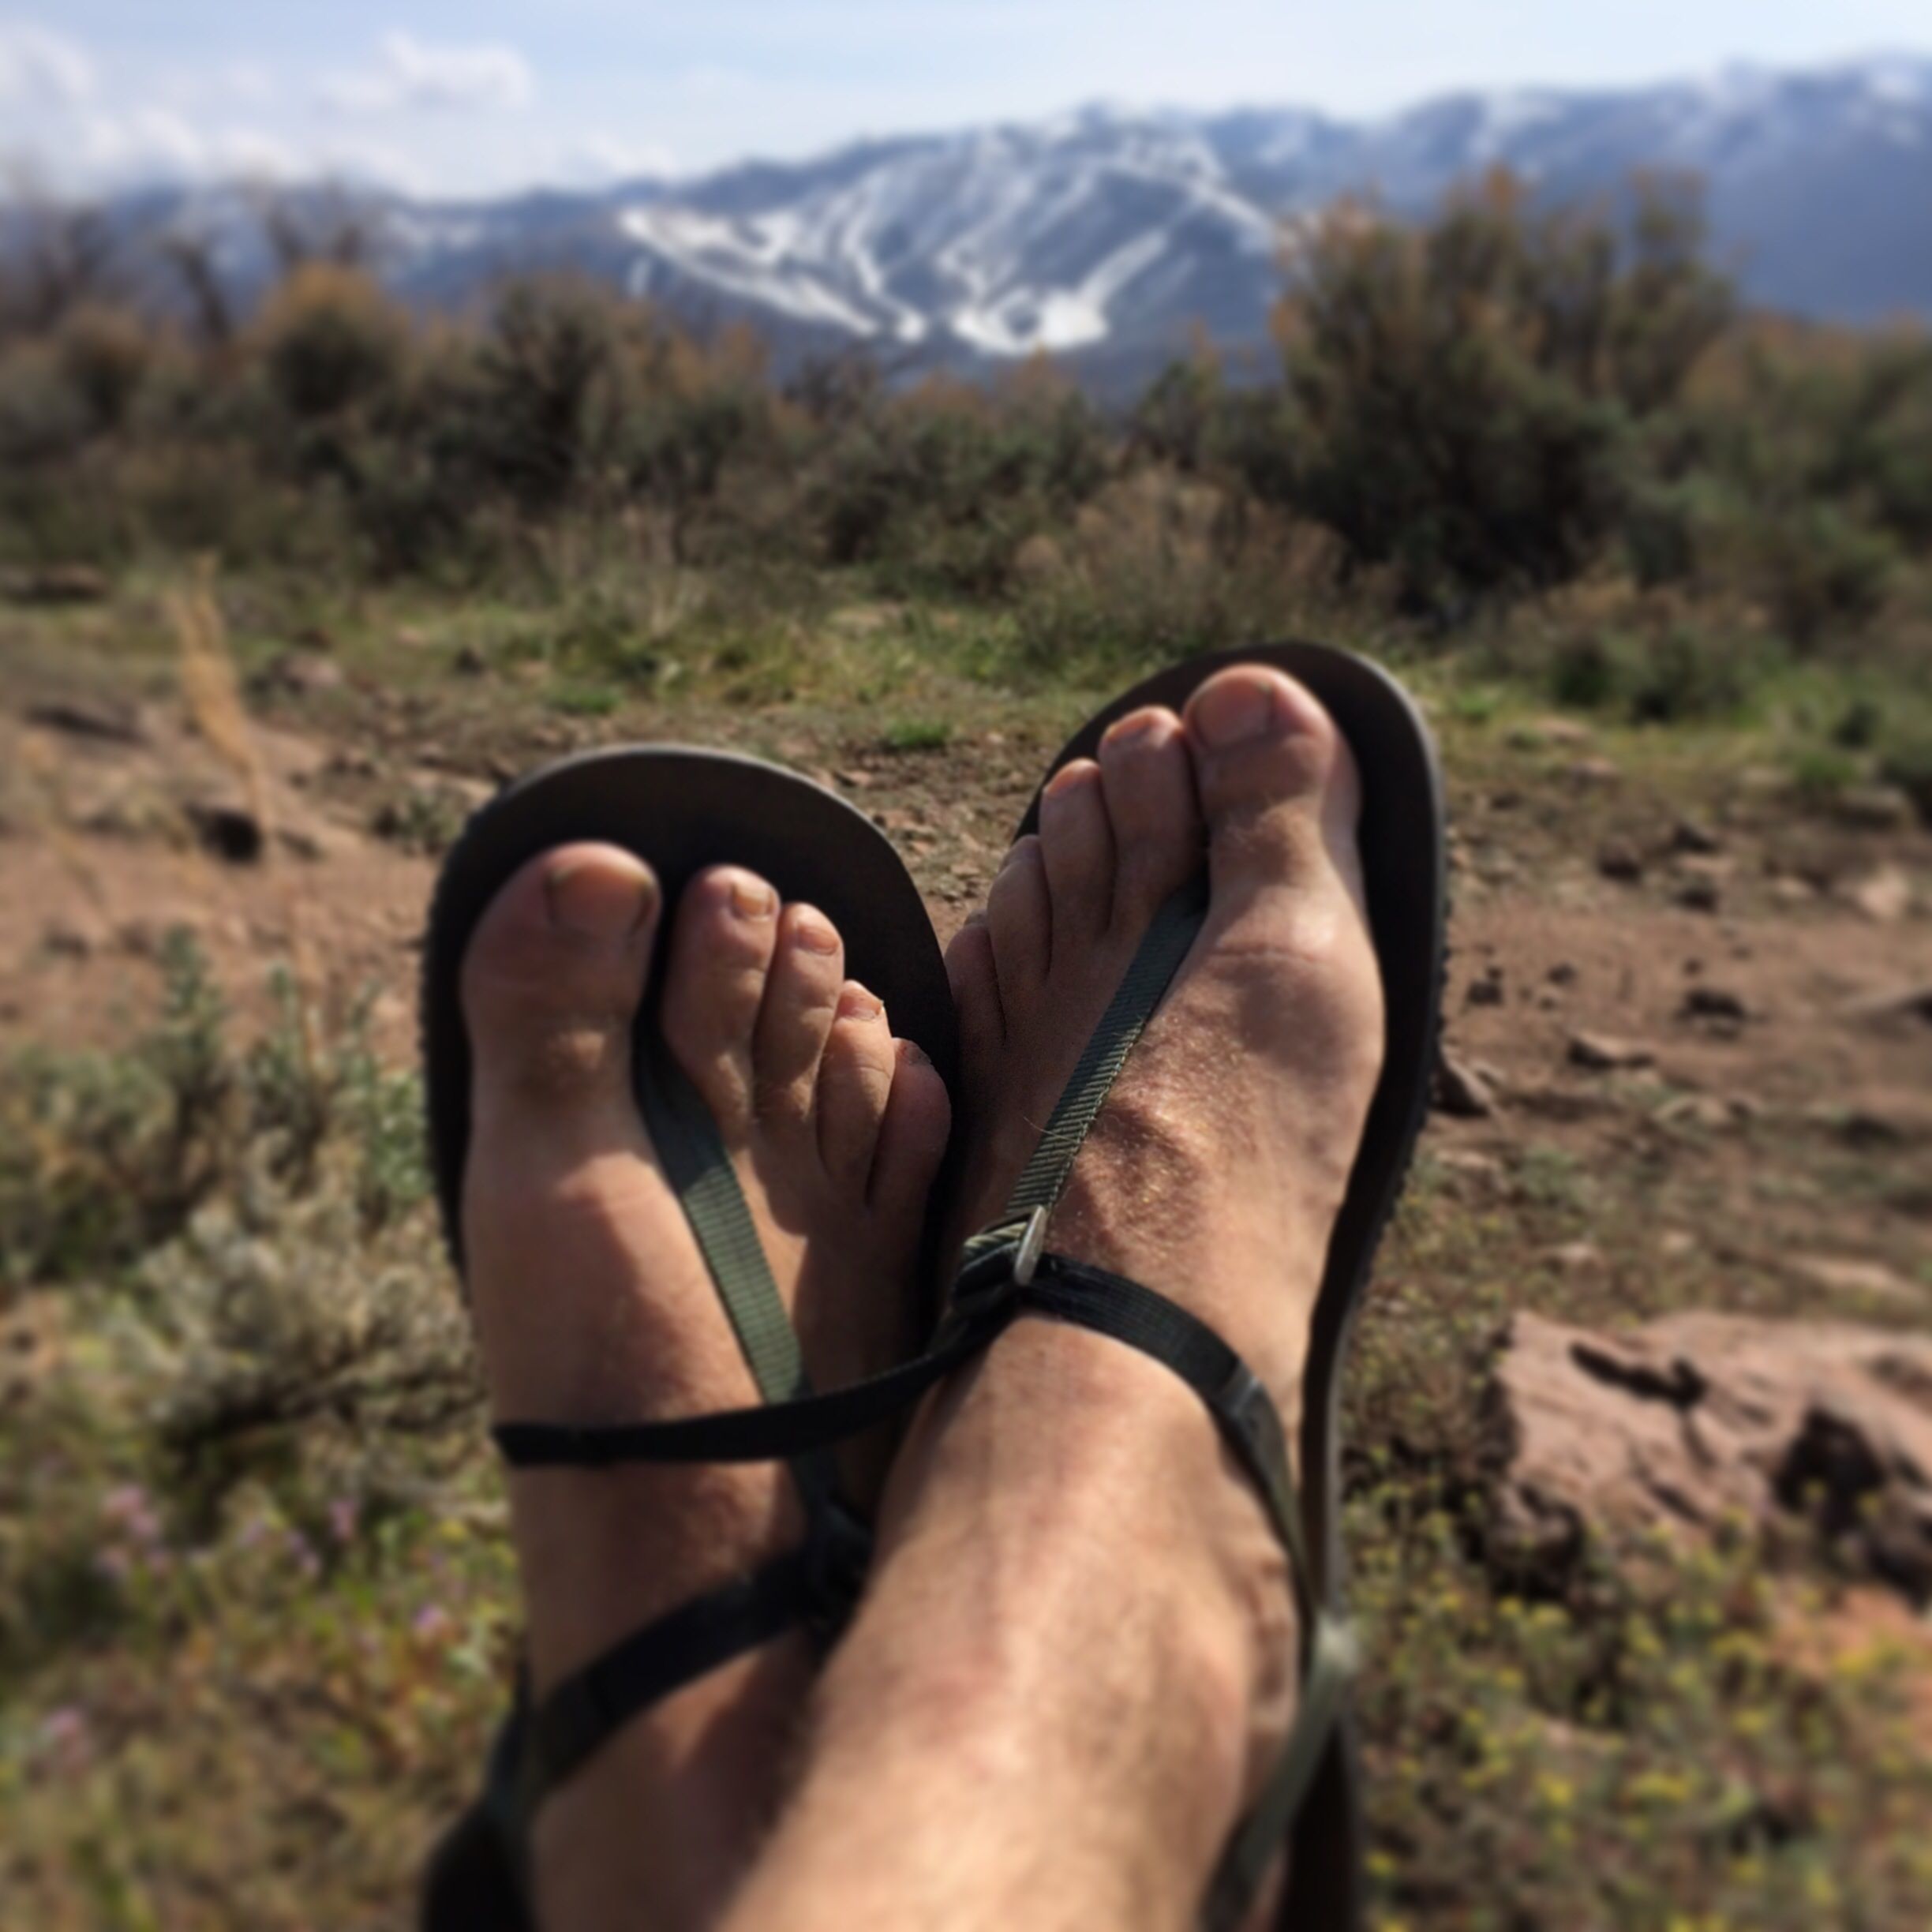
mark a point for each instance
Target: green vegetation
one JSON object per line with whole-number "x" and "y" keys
{"x": 1542, "y": 442}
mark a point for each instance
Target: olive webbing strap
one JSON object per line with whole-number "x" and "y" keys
{"x": 700, "y": 1172}
{"x": 1164, "y": 945}
{"x": 1263, "y": 1833}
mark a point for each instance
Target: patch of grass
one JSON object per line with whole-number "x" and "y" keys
{"x": 577, "y": 698}
{"x": 917, "y": 734}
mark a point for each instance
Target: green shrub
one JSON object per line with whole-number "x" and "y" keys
{"x": 1906, "y": 762}
{"x": 546, "y": 409}
{"x": 1465, "y": 394}
{"x": 105, "y": 355}
{"x": 106, "y": 1155}
{"x": 1820, "y": 572}
{"x": 328, "y": 339}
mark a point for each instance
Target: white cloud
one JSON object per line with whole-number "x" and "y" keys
{"x": 409, "y": 73}
{"x": 154, "y": 143}
{"x": 34, "y": 62}
{"x": 599, "y": 160}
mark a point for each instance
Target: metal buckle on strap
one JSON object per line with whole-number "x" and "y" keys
{"x": 1032, "y": 1244}
{"x": 997, "y": 1272}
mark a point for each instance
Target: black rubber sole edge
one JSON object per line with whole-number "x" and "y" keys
{"x": 1403, "y": 840}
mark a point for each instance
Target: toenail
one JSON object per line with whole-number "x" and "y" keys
{"x": 1235, "y": 710}
{"x": 601, "y": 898}
{"x": 1138, "y": 726}
{"x": 912, "y": 1053}
{"x": 856, "y": 1003}
{"x": 1070, "y": 777}
{"x": 814, "y": 934}
{"x": 751, "y": 898}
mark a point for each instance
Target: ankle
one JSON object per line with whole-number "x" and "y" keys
{"x": 1116, "y": 1560}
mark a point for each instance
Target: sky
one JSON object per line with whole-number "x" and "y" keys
{"x": 457, "y": 97}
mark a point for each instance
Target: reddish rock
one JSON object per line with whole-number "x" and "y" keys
{"x": 1461, "y": 1092}
{"x": 1601, "y": 1053}
{"x": 1701, "y": 1420}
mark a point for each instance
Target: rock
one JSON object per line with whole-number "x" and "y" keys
{"x": 1468, "y": 1161}
{"x": 116, "y": 721}
{"x": 1874, "y": 808}
{"x": 1691, "y": 835}
{"x": 1883, "y": 897}
{"x": 54, "y": 583}
{"x": 1592, "y": 772}
{"x": 1487, "y": 990}
{"x": 298, "y": 674}
{"x": 1562, "y": 974}
{"x": 1603, "y": 1053}
{"x": 1461, "y": 1092}
{"x": 1617, "y": 859}
{"x": 1711, "y": 1112}
{"x": 1877, "y": 1119}
{"x": 1693, "y": 1422}
{"x": 1713, "y": 1002}
{"x": 1698, "y": 893}
{"x": 1576, "y": 1257}
{"x": 1840, "y": 1276}
{"x": 1675, "y": 1245}
{"x": 1793, "y": 891}
{"x": 66, "y": 938}
{"x": 230, "y": 832}
{"x": 1908, "y": 1002}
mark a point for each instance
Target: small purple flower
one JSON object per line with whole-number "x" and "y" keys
{"x": 130, "y": 1508}
{"x": 302, "y": 1554}
{"x": 430, "y": 1623}
{"x": 63, "y": 1736}
{"x": 123, "y": 1504}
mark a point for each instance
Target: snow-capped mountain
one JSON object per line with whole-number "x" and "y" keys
{"x": 1106, "y": 235}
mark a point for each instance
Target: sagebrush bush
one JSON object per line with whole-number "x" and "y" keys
{"x": 1465, "y": 394}
{"x": 105, "y": 354}
{"x": 328, "y": 340}
{"x": 104, "y": 1156}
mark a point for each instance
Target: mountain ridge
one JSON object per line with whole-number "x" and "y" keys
{"x": 1108, "y": 235}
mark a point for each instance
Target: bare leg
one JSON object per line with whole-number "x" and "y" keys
{"x": 593, "y": 1306}
{"x": 1077, "y": 1659}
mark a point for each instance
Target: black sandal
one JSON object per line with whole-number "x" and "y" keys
{"x": 681, "y": 810}
{"x": 1006, "y": 1272}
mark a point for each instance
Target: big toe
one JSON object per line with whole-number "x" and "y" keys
{"x": 550, "y": 983}
{"x": 1278, "y": 784}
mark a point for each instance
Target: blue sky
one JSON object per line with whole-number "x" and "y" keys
{"x": 484, "y": 95}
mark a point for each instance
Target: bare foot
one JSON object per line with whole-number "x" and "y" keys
{"x": 593, "y": 1306}
{"x": 1078, "y": 1588}
{"x": 1215, "y": 1170}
